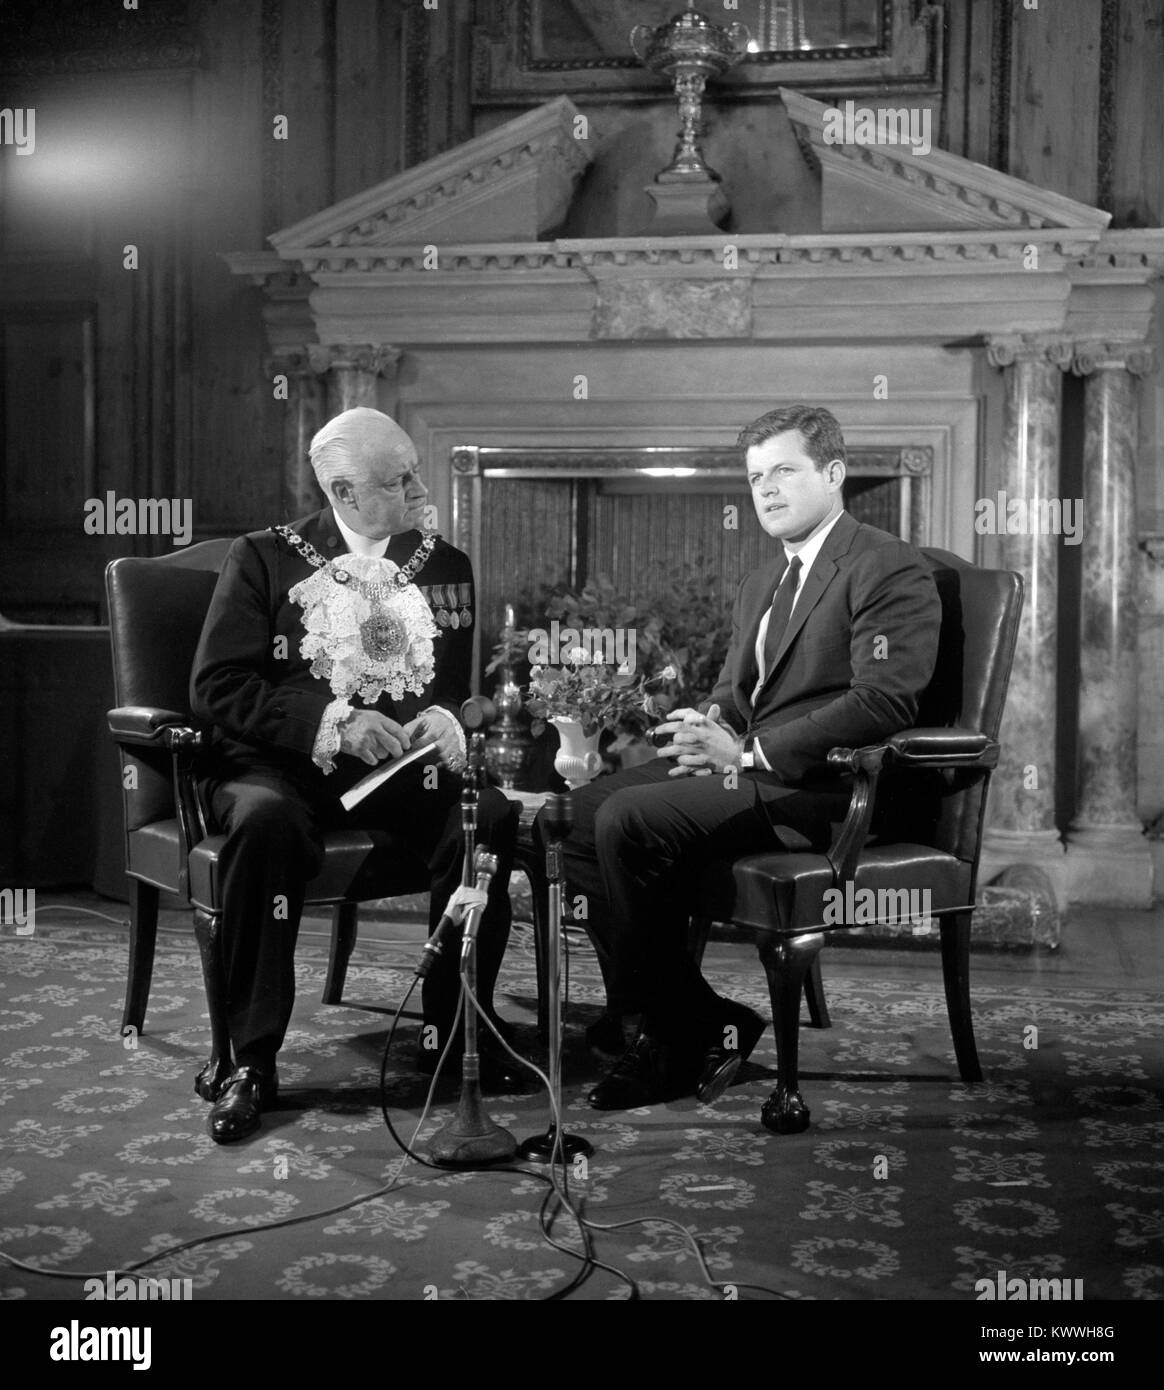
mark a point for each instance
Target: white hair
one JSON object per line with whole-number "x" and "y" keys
{"x": 345, "y": 448}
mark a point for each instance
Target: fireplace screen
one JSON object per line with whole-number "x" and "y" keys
{"x": 645, "y": 519}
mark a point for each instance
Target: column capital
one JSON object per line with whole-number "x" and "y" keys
{"x": 1136, "y": 358}
{"x": 374, "y": 359}
{"x": 290, "y": 361}
{"x": 1005, "y": 349}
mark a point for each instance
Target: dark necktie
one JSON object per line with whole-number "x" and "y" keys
{"x": 781, "y": 613}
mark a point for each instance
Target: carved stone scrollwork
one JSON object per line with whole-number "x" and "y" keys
{"x": 373, "y": 361}
{"x": 1006, "y": 350}
{"x": 295, "y": 363}
{"x": 919, "y": 460}
{"x": 1135, "y": 358}
{"x": 352, "y": 371}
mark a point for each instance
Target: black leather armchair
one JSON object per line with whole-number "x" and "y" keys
{"x": 156, "y": 611}
{"x": 914, "y": 822}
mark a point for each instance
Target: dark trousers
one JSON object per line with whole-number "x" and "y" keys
{"x": 640, "y": 844}
{"x": 274, "y": 823}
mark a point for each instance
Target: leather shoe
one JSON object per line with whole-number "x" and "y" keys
{"x": 720, "y": 1062}
{"x": 648, "y": 1072}
{"x": 245, "y": 1094}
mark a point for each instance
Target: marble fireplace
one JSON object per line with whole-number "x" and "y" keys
{"x": 936, "y": 314}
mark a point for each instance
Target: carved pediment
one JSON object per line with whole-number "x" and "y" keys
{"x": 511, "y": 184}
{"x": 874, "y": 177}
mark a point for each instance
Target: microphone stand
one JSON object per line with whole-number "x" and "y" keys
{"x": 471, "y": 1139}
{"x": 544, "y": 1148}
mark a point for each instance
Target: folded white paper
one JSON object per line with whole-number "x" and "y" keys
{"x": 378, "y": 776}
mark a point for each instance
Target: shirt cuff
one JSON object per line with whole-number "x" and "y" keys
{"x": 456, "y": 723}
{"x": 758, "y": 753}
{"x": 327, "y": 740}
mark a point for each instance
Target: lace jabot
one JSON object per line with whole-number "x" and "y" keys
{"x": 366, "y": 633}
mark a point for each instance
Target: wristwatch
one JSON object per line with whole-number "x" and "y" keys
{"x": 747, "y": 760}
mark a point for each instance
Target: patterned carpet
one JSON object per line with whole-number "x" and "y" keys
{"x": 909, "y": 1185}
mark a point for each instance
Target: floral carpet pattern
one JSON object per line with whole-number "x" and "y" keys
{"x": 909, "y": 1184}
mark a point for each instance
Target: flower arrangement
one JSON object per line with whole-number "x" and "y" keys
{"x": 596, "y": 695}
{"x": 681, "y": 628}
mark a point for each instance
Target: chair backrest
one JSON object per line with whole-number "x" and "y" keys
{"x": 156, "y": 610}
{"x": 980, "y": 622}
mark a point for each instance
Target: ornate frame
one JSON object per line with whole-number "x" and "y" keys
{"x": 506, "y": 72}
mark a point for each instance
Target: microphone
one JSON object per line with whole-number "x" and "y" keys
{"x": 434, "y": 946}
{"x": 558, "y": 815}
{"x": 478, "y": 712}
{"x": 486, "y": 865}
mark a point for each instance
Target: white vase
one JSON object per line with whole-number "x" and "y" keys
{"x": 577, "y": 760}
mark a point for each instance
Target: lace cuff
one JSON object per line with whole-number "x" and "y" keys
{"x": 327, "y": 740}
{"x": 456, "y": 726}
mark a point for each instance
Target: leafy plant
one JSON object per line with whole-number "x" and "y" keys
{"x": 681, "y": 627}
{"x": 596, "y": 695}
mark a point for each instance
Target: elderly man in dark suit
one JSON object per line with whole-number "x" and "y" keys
{"x": 832, "y": 643}
{"x": 330, "y": 646}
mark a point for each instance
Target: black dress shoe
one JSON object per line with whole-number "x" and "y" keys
{"x": 648, "y": 1072}
{"x": 721, "y": 1062}
{"x": 245, "y": 1094}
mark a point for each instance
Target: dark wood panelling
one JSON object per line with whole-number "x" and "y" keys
{"x": 1055, "y": 114}
{"x": 1136, "y": 120}
{"x": 47, "y": 404}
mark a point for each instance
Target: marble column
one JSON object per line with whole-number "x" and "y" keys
{"x": 1021, "y": 811}
{"x": 353, "y": 373}
{"x": 1109, "y": 860}
{"x": 305, "y": 409}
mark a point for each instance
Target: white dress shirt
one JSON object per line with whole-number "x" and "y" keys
{"x": 808, "y": 553}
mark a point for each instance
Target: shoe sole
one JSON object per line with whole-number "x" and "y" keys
{"x": 725, "y": 1074}
{"x": 720, "y": 1080}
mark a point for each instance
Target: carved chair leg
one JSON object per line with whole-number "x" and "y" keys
{"x": 344, "y": 926}
{"x": 698, "y": 931}
{"x": 208, "y": 930}
{"x": 143, "y": 935}
{"x": 787, "y": 961}
{"x": 956, "y": 977}
{"x": 818, "y": 1009}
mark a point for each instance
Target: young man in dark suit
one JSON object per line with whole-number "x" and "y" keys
{"x": 330, "y": 646}
{"x": 832, "y": 643}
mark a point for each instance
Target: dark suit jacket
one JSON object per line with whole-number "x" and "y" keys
{"x": 858, "y": 652}
{"x": 265, "y": 709}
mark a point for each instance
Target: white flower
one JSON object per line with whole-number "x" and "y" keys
{"x": 623, "y": 669}
{"x": 669, "y": 673}
{"x": 578, "y": 656}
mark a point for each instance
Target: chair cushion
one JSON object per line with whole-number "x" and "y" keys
{"x": 784, "y": 893}
{"x": 154, "y": 853}
{"x": 357, "y": 865}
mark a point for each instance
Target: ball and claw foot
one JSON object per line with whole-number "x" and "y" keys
{"x": 785, "y": 1112}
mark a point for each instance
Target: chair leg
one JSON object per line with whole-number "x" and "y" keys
{"x": 698, "y": 931}
{"x": 344, "y": 926}
{"x": 143, "y": 935}
{"x": 814, "y": 995}
{"x": 956, "y": 977}
{"x": 787, "y": 962}
{"x": 208, "y": 930}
